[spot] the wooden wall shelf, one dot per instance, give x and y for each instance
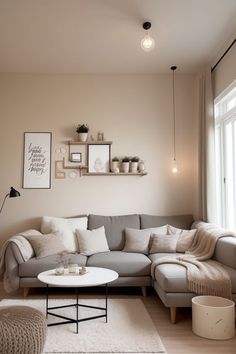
(90, 142)
(114, 174)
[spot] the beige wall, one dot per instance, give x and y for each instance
(225, 73)
(134, 111)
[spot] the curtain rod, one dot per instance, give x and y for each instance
(223, 55)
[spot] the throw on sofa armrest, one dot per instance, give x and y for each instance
(15, 251)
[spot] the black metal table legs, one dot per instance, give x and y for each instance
(77, 320)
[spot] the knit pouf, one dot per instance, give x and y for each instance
(22, 330)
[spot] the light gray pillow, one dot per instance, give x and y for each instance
(92, 241)
(137, 240)
(185, 239)
(164, 243)
(46, 245)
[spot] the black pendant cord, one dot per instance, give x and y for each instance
(174, 112)
(223, 55)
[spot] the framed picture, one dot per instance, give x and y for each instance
(78, 154)
(99, 158)
(76, 157)
(37, 160)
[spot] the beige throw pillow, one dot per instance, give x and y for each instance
(46, 245)
(164, 243)
(65, 228)
(137, 240)
(185, 240)
(92, 241)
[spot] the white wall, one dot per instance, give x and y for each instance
(134, 111)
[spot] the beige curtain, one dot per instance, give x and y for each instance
(207, 183)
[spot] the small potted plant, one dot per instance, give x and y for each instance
(82, 130)
(115, 165)
(134, 164)
(125, 164)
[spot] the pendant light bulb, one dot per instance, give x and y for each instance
(147, 43)
(175, 167)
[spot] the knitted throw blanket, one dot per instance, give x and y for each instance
(204, 275)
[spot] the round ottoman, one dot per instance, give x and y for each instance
(23, 330)
(213, 317)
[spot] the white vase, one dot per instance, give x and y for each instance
(125, 167)
(115, 165)
(141, 166)
(83, 137)
(134, 167)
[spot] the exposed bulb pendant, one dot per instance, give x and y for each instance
(174, 163)
(147, 43)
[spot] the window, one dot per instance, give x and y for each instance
(225, 137)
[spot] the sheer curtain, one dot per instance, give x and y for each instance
(207, 185)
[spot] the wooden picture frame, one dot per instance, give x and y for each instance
(37, 160)
(99, 157)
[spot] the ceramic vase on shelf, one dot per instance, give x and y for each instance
(115, 166)
(83, 137)
(125, 167)
(141, 166)
(134, 167)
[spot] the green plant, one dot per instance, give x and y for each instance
(135, 159)
(126, 159)
(82, 128)
(115, 159)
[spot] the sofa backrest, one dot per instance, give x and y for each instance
(114, 227)
(180, 221)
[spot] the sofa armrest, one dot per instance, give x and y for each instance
(225, 251)
(11, 275)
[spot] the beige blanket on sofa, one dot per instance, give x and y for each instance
(204, 275)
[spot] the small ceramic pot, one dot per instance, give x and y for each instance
(83, 137)
(125, 167)
(134, 167)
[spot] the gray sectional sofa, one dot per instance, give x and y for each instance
(169, 281)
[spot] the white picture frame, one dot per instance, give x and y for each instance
(99, 156)
(37, 160)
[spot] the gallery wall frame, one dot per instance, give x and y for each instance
(99, 157)
(37, 160)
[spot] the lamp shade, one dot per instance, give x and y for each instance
(14, 193)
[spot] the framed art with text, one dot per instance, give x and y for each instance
(37, 160)
(99, 158)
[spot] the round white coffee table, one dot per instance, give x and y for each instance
(93, 277)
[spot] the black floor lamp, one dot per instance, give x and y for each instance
(12, 194)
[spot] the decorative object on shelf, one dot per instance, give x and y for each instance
(12, 194)
(100, 136)
(74, 151)
(134, 164)
(125, 164)
(59, 173)
(37, 160)
(115, 165)
(141, 166)
(99, 158)
(91, 138)
(76, 157)
(147, 43)
(174, 164)
(82, 131)
(73, 174)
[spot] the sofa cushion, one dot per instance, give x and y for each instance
(164, 243)
(172, 278)
(35, 266)
(125, 264)
(181, 221)
(137, 241)
(46, 245)
(185, 239)
(114, 227)
(92, 241)
(65, 227)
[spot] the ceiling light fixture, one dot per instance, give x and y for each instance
(174, 165)
(147, 43)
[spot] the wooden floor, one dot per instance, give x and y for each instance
(177, 338)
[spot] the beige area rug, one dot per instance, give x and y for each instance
(129, 329)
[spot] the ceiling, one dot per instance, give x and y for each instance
(103, 36)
